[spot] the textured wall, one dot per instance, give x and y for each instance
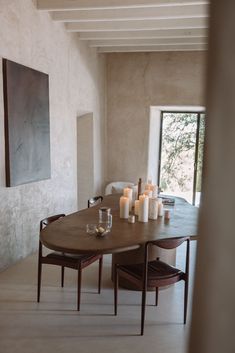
(76, 81)
(136, 81)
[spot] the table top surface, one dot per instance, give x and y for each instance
(68, 234)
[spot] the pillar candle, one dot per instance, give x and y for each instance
(128, 192)
(153, 208)
(137, 207)
(143, 208)
(134, 189)
(160, 208)
(124, 207)
(148, 185)
(154, 189)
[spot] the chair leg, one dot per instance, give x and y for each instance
(156, 296)
(115, 289)
(100, 273)
(79, 287)
(62, 276)
(143, 310)
(185, 299)
(39, 281)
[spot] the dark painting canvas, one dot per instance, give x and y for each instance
(27, 126)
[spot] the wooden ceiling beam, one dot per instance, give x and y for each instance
(164, 47)
(164, 33)
(147, 42)
(148, 13)
(136, 25)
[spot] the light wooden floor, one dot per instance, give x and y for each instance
(54, 325)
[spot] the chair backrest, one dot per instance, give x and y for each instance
(44, 222)
(117, 187)
(169, 243)
(93, 201)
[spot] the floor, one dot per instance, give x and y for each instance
(54, 325)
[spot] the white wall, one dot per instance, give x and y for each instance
(76, 78)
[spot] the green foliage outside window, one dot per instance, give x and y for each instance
(178, 151)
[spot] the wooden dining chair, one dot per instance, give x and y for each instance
(76, 262)
(154, 274)
(94, 201)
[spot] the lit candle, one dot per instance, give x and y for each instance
(128, 192)
(148, 192)
(124, 207)
(154, 189)
(137, 207)
(153, 208)
(143, 208)
(147, 186)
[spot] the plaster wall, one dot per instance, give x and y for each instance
(85, 167)
(135, 82)
(76, 79)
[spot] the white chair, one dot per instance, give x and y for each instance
(117, 187)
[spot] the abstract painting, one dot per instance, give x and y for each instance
(27, 124)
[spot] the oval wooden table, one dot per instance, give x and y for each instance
(69, 235)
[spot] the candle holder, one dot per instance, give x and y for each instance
(139, 188)
(91, 228)
(131, 219)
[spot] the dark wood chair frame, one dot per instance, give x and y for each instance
(94, 201)
(143, 282)
(77, 262)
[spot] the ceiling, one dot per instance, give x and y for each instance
(134, 25)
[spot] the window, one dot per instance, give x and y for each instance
(181, 154)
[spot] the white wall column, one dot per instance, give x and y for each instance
(214, 297)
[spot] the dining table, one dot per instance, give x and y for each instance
(125, 240)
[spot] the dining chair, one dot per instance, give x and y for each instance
(76, 262)
(94, 201)
(154, 274)
(116, 187)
